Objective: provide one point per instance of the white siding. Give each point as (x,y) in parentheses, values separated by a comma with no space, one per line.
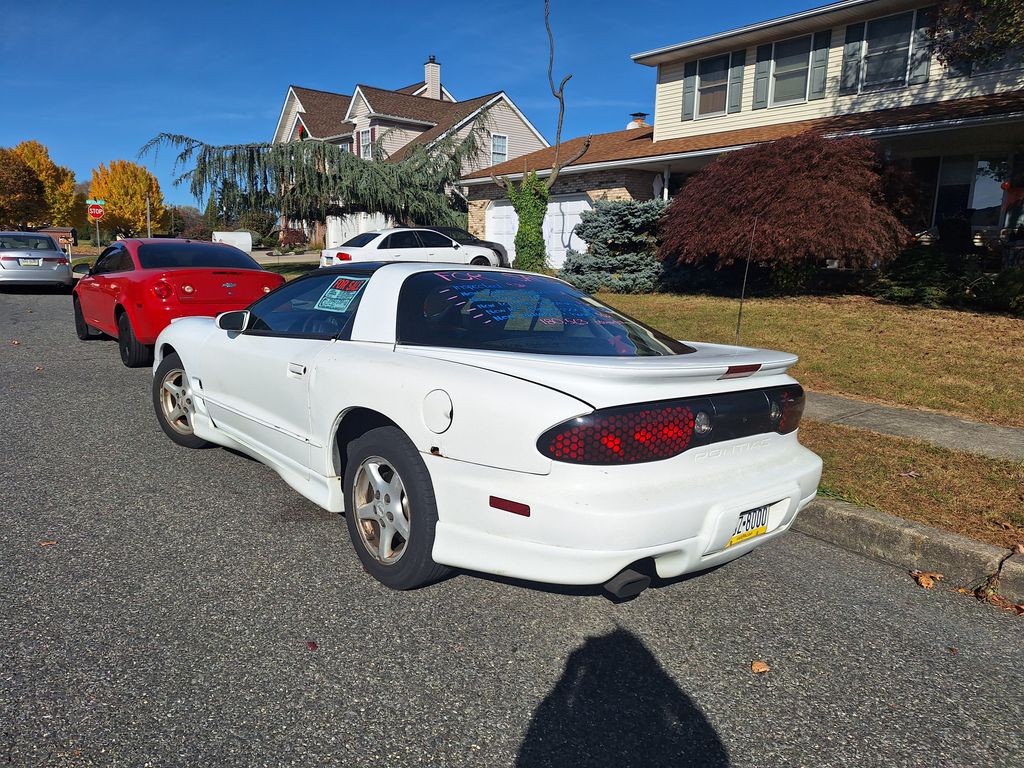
(668,123)
(291,109)
(394,136)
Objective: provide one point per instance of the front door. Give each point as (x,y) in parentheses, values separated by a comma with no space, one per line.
(99,291)
(437,247)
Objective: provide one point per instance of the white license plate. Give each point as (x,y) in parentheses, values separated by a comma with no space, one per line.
(752,523)
(30,262)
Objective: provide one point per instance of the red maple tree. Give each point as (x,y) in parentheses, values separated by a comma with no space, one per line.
(813,198)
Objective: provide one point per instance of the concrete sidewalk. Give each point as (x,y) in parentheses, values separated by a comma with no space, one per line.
(936,428)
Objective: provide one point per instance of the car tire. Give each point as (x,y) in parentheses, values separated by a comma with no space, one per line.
(172,401)
(481,261)
(390,509)
(134,354)
(83,330)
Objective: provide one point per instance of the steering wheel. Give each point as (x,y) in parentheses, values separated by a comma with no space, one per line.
(323,323)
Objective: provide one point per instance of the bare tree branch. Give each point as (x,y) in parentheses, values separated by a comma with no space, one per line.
(558,93)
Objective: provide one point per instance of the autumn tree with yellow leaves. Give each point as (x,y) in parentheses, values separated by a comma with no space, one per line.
(58,183)
(124,186)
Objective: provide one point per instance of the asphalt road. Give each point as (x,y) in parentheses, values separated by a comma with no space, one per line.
(194,611)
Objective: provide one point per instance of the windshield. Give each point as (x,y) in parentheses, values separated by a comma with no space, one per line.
(19,242)
(185,255)
(360,240)
(513,312)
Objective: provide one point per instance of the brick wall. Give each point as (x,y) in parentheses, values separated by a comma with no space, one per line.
(598,185)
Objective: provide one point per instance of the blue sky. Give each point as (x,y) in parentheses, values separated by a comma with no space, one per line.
(94,81)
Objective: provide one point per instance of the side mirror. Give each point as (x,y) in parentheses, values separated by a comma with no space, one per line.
(457,246)
(233,321)
(81,269)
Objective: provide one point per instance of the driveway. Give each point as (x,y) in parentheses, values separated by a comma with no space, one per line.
(192,610)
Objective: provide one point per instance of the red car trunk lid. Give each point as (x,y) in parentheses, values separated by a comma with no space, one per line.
(221,286)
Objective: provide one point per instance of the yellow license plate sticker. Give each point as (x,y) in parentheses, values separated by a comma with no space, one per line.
(751,524)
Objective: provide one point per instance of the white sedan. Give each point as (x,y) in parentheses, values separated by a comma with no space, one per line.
(408,244)
(496,421)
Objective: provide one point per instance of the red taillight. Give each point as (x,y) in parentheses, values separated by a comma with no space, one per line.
(633,434)
(740,371)
(343,257)
(622,435)
(163,289)
(515,507)
(56,260)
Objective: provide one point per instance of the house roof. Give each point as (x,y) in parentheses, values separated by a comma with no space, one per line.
(638,143)
(323,112)
(802,22)
(447,115)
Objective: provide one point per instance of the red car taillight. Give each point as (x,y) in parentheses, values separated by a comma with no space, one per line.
(343,257)
(634,434)
(162,289)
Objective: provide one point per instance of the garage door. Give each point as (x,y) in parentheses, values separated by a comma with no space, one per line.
(560,223)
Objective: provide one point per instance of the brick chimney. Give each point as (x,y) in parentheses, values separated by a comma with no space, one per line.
(432,76)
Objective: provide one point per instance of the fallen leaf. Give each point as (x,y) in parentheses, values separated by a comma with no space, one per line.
(1005,525)
(953,651)
(759,667)
(39,368)
(1018,549)
(16,343)
(926,579)
(48,543)
(311,645)
(911,473)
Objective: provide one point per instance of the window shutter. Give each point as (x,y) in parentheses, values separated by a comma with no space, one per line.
(849,81)
(762,71)
(373,138)
(819,64)
(689,89)
(922,45)
(736,63)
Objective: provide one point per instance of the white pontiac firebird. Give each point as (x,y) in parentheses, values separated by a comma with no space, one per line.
(496,421)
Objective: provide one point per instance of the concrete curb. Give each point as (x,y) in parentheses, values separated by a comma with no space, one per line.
(964,562)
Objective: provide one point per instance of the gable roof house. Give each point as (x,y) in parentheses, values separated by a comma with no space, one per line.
(417,114)
(854,67)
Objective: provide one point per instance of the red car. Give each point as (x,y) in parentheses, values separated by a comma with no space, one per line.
(137,287)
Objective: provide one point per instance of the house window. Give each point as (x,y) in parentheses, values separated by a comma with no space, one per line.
(1012,59)
(365,145)
(886,51)
(791,61)
(499,148)
(973,186)
(345,147)
(712,86)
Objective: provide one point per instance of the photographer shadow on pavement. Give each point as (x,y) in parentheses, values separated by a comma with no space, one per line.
(615,706)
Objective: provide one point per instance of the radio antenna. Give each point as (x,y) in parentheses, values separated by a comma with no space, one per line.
(746,269)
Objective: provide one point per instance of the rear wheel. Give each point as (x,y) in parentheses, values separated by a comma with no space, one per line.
(83,330)
(173,402)
(134,354)
(390,509)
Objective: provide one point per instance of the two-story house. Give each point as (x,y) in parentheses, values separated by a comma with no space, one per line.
(419,114)
(855,67)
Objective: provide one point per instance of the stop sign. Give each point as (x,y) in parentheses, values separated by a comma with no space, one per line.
(95,212)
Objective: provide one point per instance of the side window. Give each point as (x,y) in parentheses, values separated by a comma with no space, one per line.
(106,261)
(405,239)
(433,239)
(122,261)
(319,307)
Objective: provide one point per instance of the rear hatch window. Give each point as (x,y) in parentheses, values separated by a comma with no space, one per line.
(513,312)
(193,255)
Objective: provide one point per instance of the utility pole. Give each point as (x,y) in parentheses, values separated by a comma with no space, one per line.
(149,225)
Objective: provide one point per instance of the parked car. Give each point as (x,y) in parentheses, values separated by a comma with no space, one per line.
(30,258)
(408,244)
(463,237)
(497,421)
(137,287)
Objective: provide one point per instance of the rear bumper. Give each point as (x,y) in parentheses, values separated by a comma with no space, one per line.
(48,275)
(588,523)
(148,323)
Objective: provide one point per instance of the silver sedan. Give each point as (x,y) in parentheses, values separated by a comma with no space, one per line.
(31,258)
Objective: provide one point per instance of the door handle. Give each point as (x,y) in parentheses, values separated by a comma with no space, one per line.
(296,370)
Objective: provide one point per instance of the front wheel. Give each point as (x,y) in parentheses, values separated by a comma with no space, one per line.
(134,354)
(481,261)
(390,509)
(174,403)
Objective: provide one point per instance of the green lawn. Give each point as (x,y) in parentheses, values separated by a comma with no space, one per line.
(963,363)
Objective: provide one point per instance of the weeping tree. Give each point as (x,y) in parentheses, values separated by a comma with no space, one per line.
(530,198)
(310,180)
